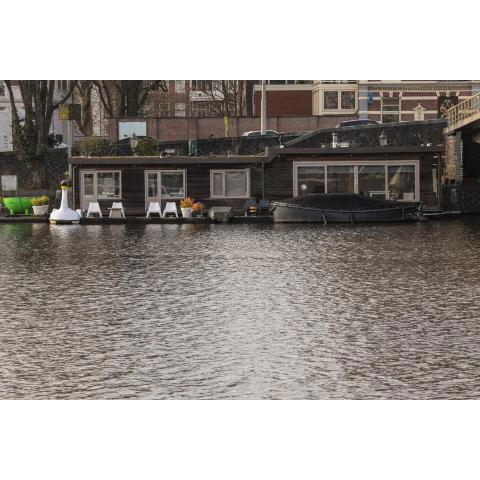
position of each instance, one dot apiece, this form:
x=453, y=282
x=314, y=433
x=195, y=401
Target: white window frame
x=179, y=86
x=391, y=112
x=95, y=184
x=356, y=164
x=161, y=197
x=339, y=110
x=223, y=172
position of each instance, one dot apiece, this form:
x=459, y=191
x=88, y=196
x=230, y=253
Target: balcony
x=462, y=114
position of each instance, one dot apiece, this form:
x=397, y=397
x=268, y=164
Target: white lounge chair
x=154, y=207
x=94, y=208
x=117, y=207
x=170, y=207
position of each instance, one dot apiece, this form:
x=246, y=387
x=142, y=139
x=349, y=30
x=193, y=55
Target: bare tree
x=83, y=94
x=126, y=98
x=227, y=97
x=30, y=136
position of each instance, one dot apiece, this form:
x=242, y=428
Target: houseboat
x=400, y=162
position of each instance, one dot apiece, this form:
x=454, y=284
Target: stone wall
x=464, y=197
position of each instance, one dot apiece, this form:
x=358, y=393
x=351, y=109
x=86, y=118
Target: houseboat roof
x=270, y=154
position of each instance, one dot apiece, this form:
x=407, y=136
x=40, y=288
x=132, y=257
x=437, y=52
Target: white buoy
x=64, y=214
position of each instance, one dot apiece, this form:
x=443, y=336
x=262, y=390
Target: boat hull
x=297, y=214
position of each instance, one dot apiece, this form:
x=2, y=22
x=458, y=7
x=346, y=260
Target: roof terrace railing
x=462, y=112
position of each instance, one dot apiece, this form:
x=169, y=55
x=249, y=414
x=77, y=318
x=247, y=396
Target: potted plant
x=186, y=206
x=198, y=208
x=40, y=205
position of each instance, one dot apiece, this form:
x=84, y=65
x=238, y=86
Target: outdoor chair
x=263, y=206
x=94, y=209
x=154, y=207
x=117, y=207
x=250, y=207
x=170, y=207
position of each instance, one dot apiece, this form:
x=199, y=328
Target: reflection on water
x=224, y=311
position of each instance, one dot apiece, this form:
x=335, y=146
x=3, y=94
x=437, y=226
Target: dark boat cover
x=342, y=202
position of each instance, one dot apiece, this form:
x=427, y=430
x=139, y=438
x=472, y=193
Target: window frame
x=339, y=109
x=223, y=172
x=95, y=183
x=160, y=197
x=391, y=112
x=356, y=164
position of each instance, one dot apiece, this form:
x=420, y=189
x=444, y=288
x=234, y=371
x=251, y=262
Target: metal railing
x=462, y=111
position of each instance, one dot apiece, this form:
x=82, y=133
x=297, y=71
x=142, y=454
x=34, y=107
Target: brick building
x=390, y=100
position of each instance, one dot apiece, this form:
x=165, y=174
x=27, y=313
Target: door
x=152, y=192
x=88, y=189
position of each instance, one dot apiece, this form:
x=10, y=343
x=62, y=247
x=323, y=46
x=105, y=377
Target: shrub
x=186, y=202
x=39, y=201
x=147, y=147
x=94, y=147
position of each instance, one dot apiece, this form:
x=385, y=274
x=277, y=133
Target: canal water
x=240, y=311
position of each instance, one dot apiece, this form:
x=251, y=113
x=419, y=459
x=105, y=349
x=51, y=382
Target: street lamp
x=383, y=139
x=133, y=142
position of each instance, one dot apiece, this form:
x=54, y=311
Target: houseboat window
x=152, y=180
x=172, y=184
x=217, y=184
x=340, y=179
x=230, y=183
x=371, y=180
x=401, y=182
x=311, y=180
x=108, y=185
x=88, y=184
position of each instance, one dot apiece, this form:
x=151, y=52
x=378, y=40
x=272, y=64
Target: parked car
x=356, y=123
x=257, y=133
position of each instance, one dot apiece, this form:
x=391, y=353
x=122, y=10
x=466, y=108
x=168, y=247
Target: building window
x=205, y=109
x=179, y=109
x=230, y=183
x=330, y=100
x=390, y=110
x=163, y=109
x=2, y=88
x=348, y=100
x=401, y=182
x=9, y=183
x=339, y=100
x=180, y=86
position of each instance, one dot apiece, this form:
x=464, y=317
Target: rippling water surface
x=240, y=311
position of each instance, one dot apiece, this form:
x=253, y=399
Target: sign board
x=72, y=111
x=129, y=129
x=9, y=183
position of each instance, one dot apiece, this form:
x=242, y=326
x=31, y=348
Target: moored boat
x=342, y=208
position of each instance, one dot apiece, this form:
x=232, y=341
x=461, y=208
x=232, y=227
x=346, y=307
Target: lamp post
x=133, y=143
x=383, y=139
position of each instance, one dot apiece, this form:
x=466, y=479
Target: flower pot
x=40, y=209
x=186, y=212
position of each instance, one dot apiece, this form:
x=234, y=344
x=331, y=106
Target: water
x=240, y=311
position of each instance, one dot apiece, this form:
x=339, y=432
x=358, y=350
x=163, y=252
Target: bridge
x=464, y=115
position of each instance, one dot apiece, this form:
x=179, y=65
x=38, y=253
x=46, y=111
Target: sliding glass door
x=164, y=185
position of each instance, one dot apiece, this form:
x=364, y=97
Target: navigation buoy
x=64, y=215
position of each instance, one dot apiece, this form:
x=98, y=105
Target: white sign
x=128, y=129
x=9, y=183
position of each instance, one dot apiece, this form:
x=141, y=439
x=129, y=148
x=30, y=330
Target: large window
x=9, y=183
x=100, y=185
x=310, y=180
x=390, y=110
x=396, y=180
x=401, y=182
x=165, y=184
x=230, y=183
x=340, y=179
x=108, y=185
x=371, y=180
